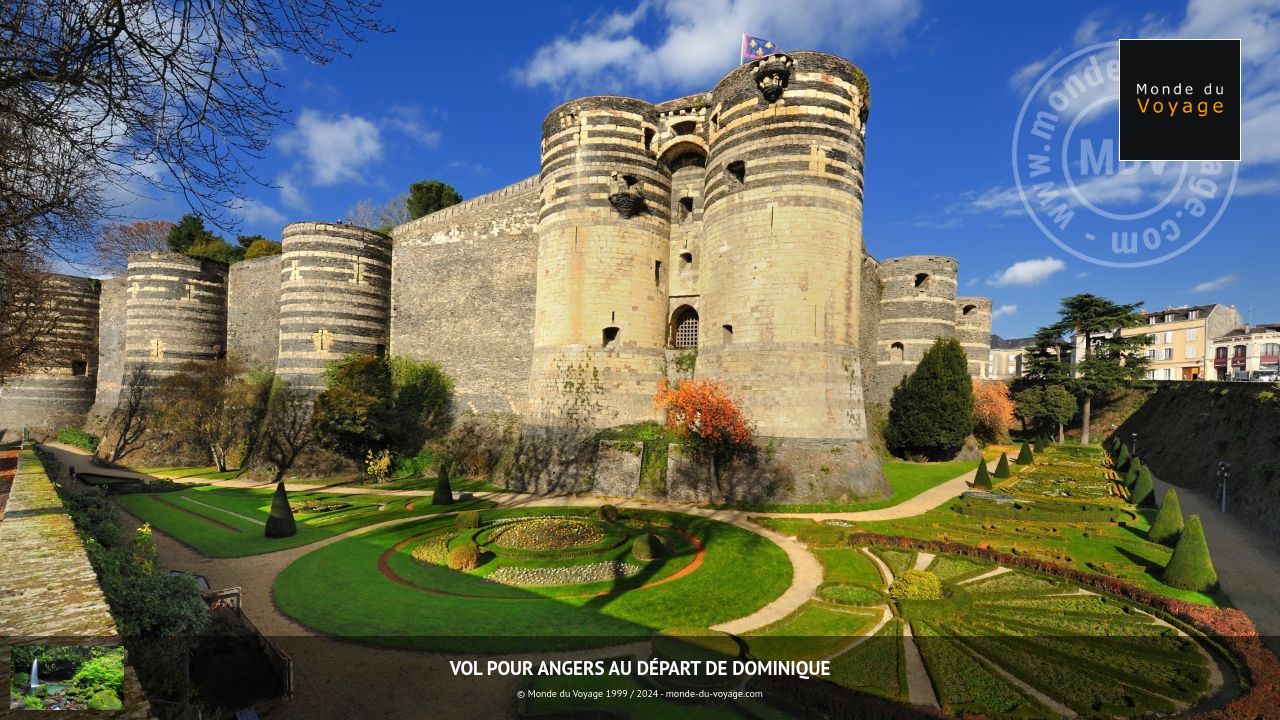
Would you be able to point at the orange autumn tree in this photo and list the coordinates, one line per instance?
(992, 410)
(707, 418)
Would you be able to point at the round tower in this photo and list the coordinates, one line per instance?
(175, 311)
(973, 330)
(782, 229)
(60, 390)
(335, 298)
(917, 306)
(603, 252)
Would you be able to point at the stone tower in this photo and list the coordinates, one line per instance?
(782, 228)
(175, 311)
(917, 306)
(599, 333)
(973, 330)
(335, 298)
(59, 392)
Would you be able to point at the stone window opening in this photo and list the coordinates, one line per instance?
(79, 367)
(684, 328)
(609, 337)
(657, 273)
(969, 308)
(735, 174)
(686, 260)
(684, 128)
(715, 121)
(686, 209)
(898, 352)
(726, 334)
(648, 138)
(380, 350)
(921, 279)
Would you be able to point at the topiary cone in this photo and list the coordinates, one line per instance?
(1190, 567)
(1024, 454)
(1002, 467)
(444, 492)
(1143, 489)
(982, 481)
(1122, 459)
(1168, 523)
(1131, 475)
(280, 521)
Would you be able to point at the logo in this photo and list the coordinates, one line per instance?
(1082, 196)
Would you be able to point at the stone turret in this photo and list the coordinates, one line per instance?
(335, 298)
(175, 311)
(917, 306)
(973, 330)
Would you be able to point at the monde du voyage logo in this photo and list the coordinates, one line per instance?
(1147, 188)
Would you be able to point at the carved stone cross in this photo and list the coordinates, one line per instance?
(293, 271)
(322, 340)
(157, 349)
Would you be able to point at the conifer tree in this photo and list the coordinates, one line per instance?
(1190, 566)
(1122, 459)
(1168, 523)
(982, 480)
(1024, 454)
(1131, 475)
(280, 522)
(931, 412)
(444, 492)
(1143, 489)
(1002, 467)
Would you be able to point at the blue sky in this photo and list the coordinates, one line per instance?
(458, 92)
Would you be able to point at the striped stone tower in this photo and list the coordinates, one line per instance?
(335, 298)
(917, 306)
(782, 224)
(599, 333)
(973, 330)
(175, 311)
(59, 392)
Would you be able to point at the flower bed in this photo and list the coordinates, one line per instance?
(568, 575)
(547, 534)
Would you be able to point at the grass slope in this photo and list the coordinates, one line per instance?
(907, 480)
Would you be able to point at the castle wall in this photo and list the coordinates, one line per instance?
(917, 306)
(783, 233)
(111, 332)
(973, 330)
(253, 311)
(175, 312)
(60, 391)
(463, 289)
(600, 320)
(335, 298)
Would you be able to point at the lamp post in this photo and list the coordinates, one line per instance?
(1224, 474)
(1133, 448)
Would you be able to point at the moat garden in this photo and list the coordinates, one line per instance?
(1045, 595)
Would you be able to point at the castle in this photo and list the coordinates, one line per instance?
(727, 223)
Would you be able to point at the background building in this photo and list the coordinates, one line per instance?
(1179, 339)
(1007, 357)
(1246, 350)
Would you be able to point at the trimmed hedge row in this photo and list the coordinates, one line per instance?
(1229, 627)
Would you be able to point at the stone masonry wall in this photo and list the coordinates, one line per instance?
(463, 289)
(253, 311)
(111, 332)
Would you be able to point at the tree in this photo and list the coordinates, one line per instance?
(187, 232)
(992, 410)
(443, 494)
(1108, 357)
(931, 411)
(1002, 467)
(1024, 454)
(115, 242)
(262, 248)
(130, 418)
(280, 522)
(382, 218)
(707, 418)
(421, 395)
(1190, 566)
(982, 480)
(428, 196)
(210, 404)
(1168, 524)
(173, 96)
(1045, 407)
(1122, 459)
(353, 415)
(287, 427)
(30, 317)
(1143, 489)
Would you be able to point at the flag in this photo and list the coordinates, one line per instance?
(754, 48)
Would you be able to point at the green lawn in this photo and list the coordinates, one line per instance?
(907, 480)
(229, 522)
(332, 590)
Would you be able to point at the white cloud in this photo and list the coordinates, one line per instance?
(469, 167)
(291, 192)
(335, 149)
(1081, 275)
(1004, 310)
(1027, 272)
(408, 120)
(698, 40)
(1217, 283)
(256, 212)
